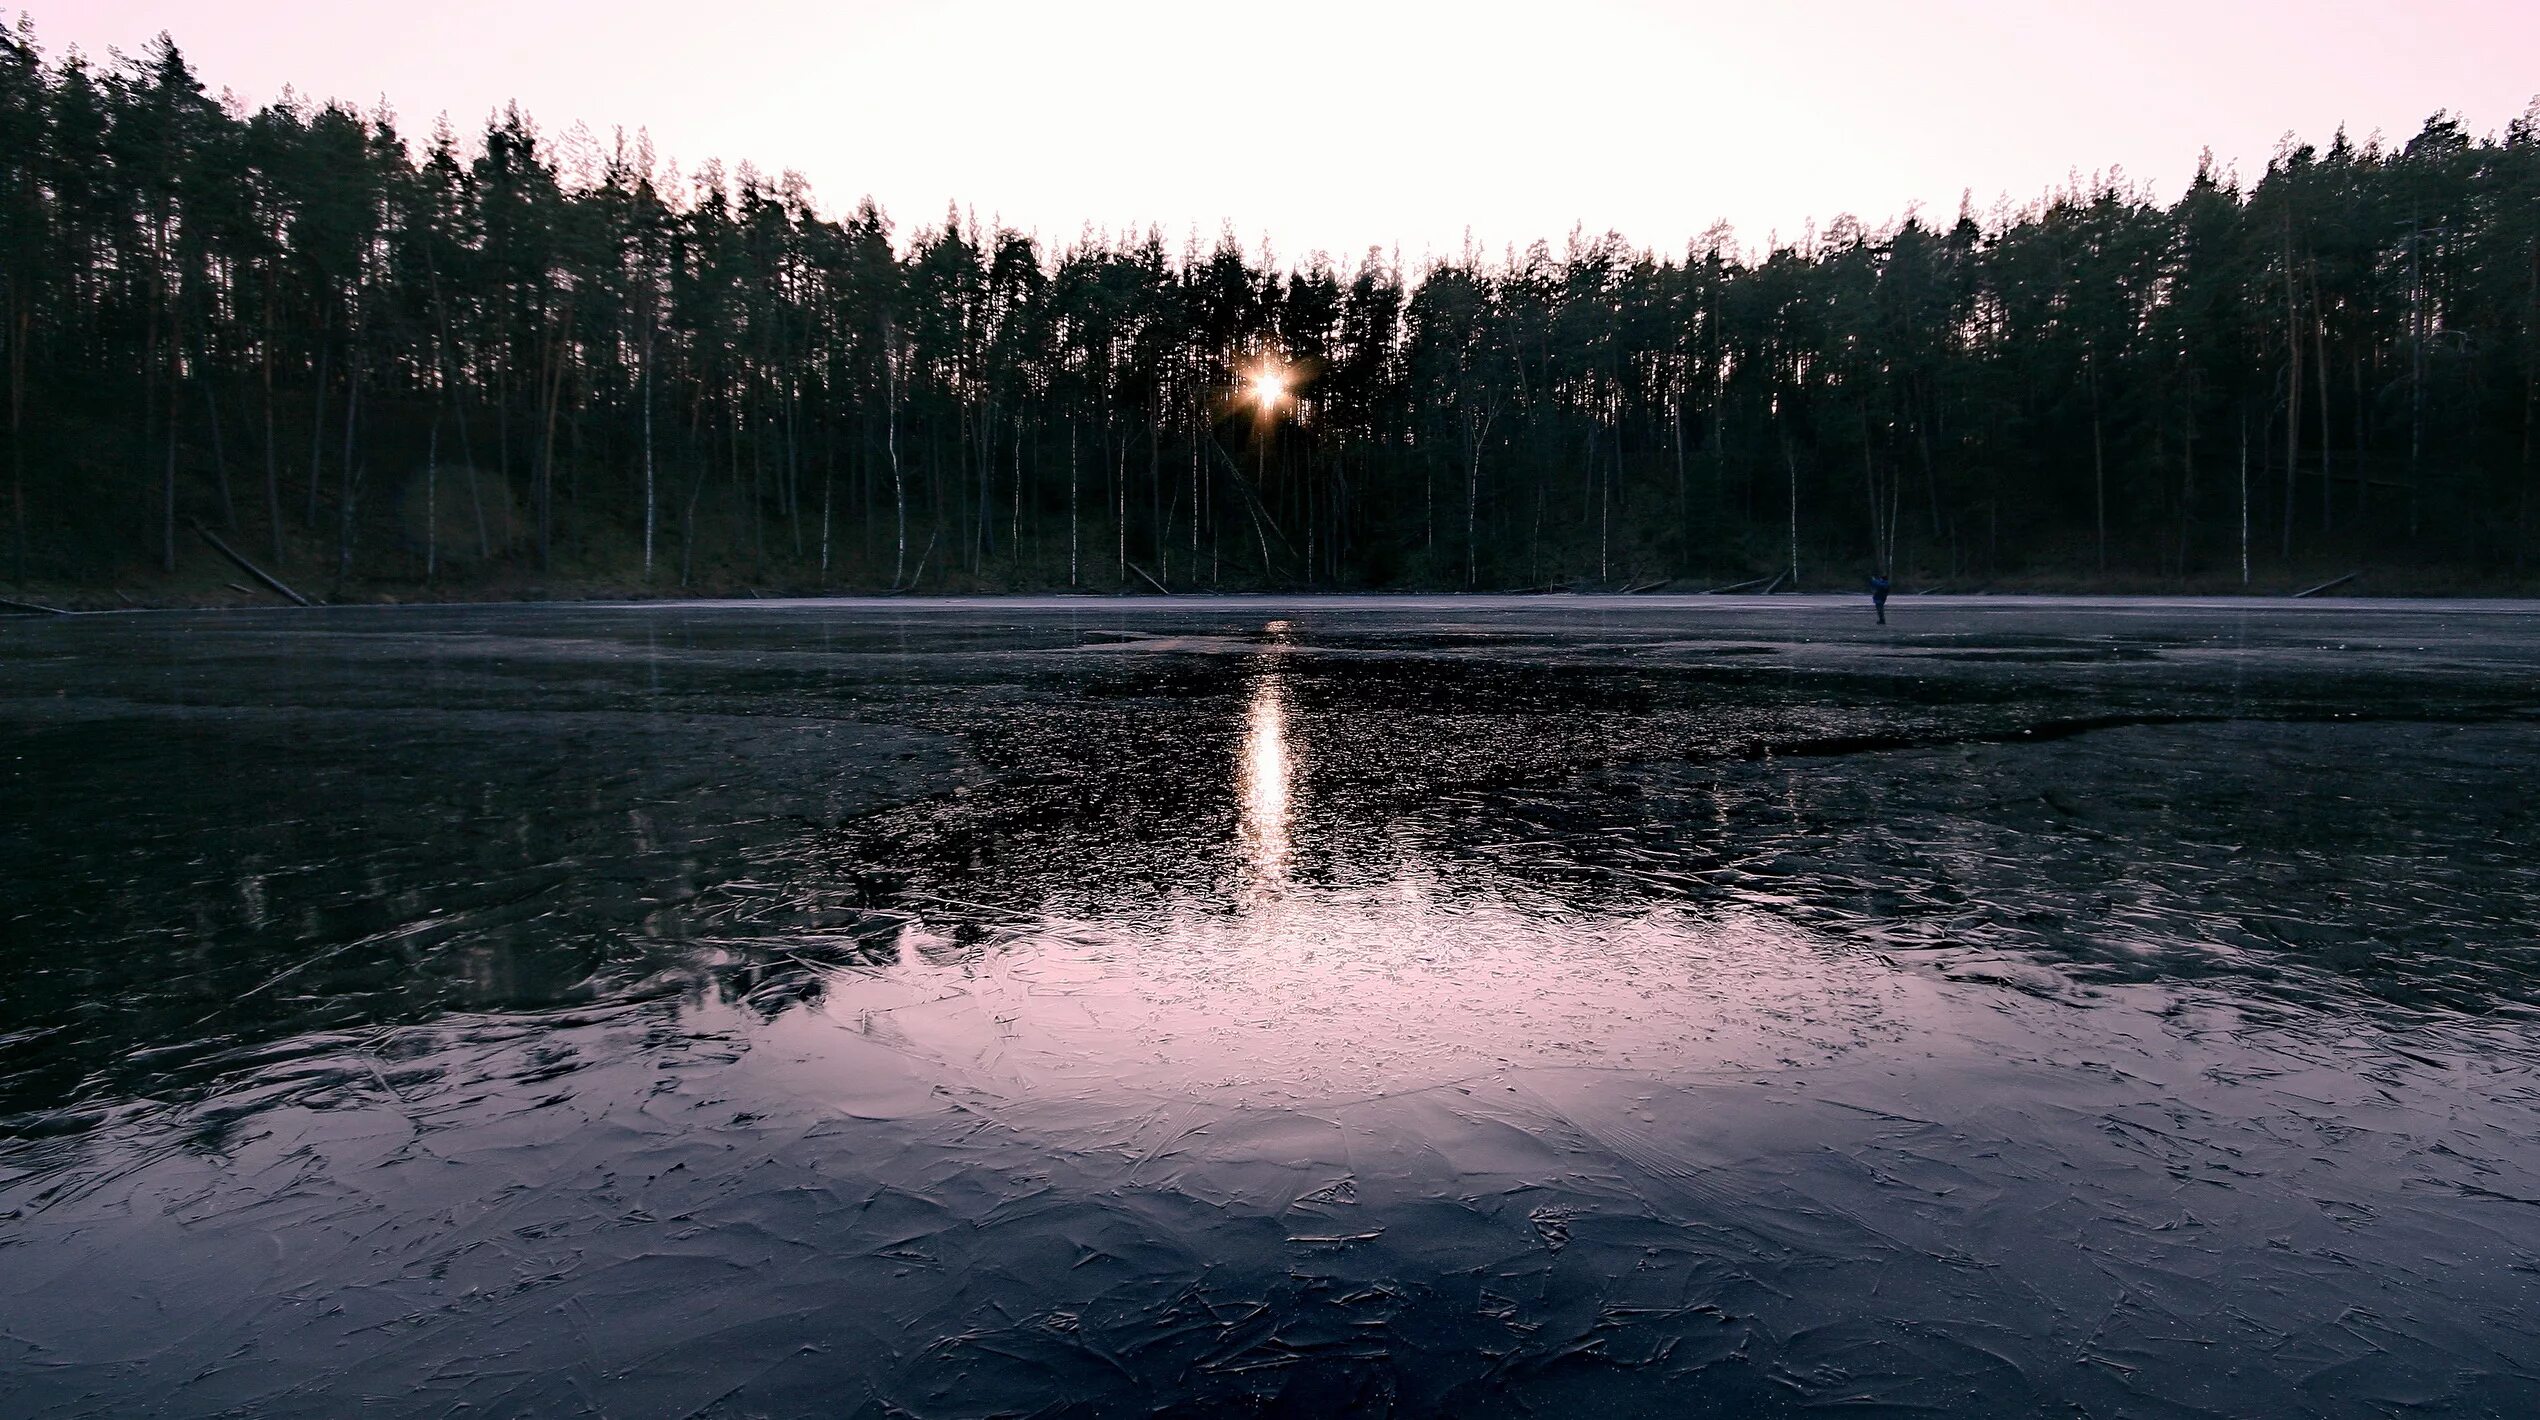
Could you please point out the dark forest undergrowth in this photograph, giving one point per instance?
(612, 569)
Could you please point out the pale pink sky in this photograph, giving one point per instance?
(1336, 125)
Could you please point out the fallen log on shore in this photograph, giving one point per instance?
(272, 583)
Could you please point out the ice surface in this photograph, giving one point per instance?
(1551, 1006)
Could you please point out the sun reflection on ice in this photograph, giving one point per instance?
(1396, 965)
(1264, 788)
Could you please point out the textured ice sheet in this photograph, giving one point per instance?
(1545, 1007)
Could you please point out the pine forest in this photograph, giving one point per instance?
(388, 363)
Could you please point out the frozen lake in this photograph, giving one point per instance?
(1549, 1006)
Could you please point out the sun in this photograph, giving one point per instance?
(1269, 386)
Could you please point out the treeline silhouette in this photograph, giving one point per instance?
(518, 363)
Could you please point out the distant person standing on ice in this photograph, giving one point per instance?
(1878, 595)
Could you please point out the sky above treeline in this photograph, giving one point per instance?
(1410, 126)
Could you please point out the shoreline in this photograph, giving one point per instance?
(36, 611)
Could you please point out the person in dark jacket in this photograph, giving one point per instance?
(1878, 595)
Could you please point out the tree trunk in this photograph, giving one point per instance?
(828, 483)
(2293, 389)
(547, 449)
(2319, 373)
(220, 456)
(2363, 483)
(891, 442)
(349, 480)
(2187, 491)
(458, 405)
(167, 485)
(2098, 463)
(2416, 369)
(432, 502)
(317, 422)
(1791, 461)
(649, 497)
(1472, 507)
(17, 432)
(273, 467)
(1684, 507)
(1870, 487)
(2244, 497)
